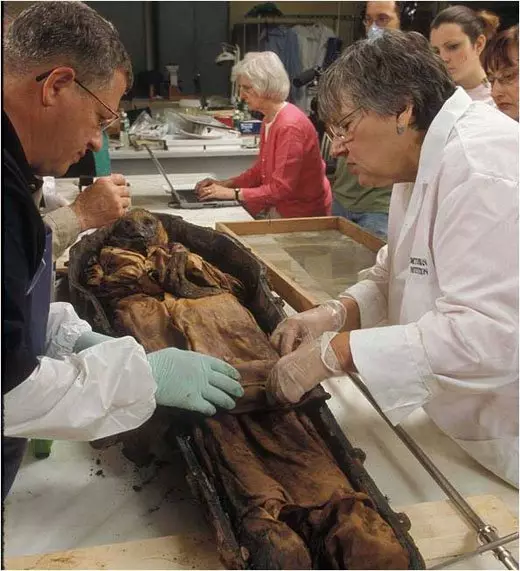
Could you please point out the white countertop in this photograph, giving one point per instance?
(59, 503)
(191, 148)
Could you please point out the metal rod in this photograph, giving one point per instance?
(149, 36)
(307, 18)
(478, 551)
(486, 533)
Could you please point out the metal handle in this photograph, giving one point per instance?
(478, 551)
(486, 533)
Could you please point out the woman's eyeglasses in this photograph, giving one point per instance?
(505, 77)
(344, 129)
(104, 124)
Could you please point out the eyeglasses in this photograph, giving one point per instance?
(245, 88)
(506, 77)
(381, 21)
(344, 130)
(104, 124)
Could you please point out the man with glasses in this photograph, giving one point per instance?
(98, 205)
(64, 73)
(381, 15)
(366, 206)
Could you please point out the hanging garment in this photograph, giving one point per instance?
(283, 41)
(312, 44)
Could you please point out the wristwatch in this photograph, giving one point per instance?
(237, 192)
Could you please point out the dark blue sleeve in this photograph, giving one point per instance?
(18, 360)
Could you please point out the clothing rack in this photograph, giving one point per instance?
(299, 19)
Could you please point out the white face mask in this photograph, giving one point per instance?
(374, 32)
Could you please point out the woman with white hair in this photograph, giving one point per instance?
(288, 179)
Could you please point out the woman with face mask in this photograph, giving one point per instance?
(459, 35)
(501, 64)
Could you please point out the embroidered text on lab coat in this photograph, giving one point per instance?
(419, 266)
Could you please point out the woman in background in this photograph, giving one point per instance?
(501, 64)
(459, 35)
(288, 179)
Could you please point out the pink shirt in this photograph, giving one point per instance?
(289, 174)
(482, 93)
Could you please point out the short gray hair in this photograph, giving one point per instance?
(69, 34)
(384, 75)
(266, 73)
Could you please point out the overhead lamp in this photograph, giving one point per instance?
(230, 54)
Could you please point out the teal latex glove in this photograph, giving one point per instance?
(88, 339)
(193, 381)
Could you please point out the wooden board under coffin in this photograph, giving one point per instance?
(437, 528)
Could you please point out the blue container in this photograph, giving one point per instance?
(251, 127)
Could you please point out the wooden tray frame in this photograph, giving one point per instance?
(296, 296)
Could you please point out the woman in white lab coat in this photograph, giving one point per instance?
(434, 323)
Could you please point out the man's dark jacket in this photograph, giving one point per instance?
(22, 251)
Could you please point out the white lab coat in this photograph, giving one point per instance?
(103, 390)
(446, 288)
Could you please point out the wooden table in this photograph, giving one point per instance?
(437, 529)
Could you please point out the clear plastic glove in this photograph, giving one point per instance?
(89, 339)
(308, 326)
(102, 202)
(193, 381)
(300, 371)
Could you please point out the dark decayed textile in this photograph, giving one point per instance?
(217, 326)
(292, 505)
